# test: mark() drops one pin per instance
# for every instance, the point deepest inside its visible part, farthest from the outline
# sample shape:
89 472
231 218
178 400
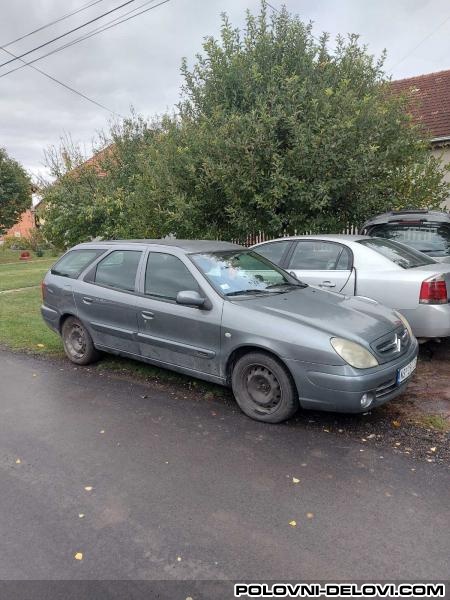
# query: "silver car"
390 272
222 313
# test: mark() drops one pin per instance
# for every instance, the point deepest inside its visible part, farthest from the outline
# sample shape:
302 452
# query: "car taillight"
42 290
433 291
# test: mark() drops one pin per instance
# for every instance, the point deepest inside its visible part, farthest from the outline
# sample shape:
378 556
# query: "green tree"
274 131
277 132
15 191
98 197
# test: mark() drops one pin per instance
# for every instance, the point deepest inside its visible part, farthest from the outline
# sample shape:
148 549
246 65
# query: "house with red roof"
430 106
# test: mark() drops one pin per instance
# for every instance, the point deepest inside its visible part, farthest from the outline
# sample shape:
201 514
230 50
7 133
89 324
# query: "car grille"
386 388
392 345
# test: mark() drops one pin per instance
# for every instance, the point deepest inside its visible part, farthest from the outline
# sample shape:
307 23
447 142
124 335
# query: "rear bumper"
429 320
51 317
339 388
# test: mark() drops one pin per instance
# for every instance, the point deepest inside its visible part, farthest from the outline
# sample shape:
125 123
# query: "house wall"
444 154
24 227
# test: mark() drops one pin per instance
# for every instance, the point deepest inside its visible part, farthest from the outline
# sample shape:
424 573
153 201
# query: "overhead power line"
58 20
67 32
105 27
427 37
64 85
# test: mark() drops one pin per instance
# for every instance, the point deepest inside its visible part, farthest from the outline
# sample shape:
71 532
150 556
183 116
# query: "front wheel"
78 344
263 388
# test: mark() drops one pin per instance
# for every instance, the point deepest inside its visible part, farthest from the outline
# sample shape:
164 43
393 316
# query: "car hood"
349 317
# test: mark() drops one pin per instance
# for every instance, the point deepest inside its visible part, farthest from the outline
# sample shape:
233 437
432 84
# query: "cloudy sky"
138 62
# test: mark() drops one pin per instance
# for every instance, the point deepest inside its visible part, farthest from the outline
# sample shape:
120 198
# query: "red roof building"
430 106
430 102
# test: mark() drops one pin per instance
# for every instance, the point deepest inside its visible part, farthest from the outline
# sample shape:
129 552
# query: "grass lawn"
24 273
21 324
13 256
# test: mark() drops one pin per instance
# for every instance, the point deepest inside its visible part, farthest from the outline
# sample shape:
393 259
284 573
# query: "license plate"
406 371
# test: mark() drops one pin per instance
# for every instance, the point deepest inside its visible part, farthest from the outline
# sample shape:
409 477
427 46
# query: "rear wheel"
77 341
263 388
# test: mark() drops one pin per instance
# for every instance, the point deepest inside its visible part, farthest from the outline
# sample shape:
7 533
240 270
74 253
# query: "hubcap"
76 342
263 388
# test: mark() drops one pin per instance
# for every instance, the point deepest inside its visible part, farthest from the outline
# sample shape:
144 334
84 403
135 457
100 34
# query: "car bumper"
51 317
429 320
339 388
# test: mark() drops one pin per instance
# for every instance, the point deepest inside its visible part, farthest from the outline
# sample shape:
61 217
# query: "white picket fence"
261 236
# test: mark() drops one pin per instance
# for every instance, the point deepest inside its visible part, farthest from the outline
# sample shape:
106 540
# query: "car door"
328 265
171 334
106 301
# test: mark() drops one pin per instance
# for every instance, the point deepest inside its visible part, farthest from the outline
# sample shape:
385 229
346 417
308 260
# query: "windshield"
404 257
432 238
243 273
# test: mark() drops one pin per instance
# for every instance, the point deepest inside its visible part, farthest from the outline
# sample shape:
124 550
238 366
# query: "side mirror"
190 298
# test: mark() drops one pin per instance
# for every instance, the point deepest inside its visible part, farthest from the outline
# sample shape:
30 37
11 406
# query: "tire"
263 388
77 341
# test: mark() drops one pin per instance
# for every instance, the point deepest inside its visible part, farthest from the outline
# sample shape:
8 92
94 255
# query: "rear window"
404 257
431 238
74 262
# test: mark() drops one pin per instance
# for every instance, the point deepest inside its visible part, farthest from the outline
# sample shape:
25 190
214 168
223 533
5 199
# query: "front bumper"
339 388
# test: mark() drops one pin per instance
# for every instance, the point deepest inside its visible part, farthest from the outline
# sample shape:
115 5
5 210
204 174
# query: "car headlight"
354 354
405 322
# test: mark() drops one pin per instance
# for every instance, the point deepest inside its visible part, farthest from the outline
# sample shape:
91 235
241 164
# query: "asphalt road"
185 488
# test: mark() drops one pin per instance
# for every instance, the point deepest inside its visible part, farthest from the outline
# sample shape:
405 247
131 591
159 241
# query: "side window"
320 256
118 270
273 251
74 262
166 275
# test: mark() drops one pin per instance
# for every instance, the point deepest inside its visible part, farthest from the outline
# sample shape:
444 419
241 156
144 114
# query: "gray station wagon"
220 312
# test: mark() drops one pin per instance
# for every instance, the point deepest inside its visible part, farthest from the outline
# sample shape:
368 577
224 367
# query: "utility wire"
64 85
427 37
105 27
58 20
67 33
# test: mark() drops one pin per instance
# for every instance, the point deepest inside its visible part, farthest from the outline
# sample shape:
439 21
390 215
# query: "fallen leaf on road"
396 423
78 556
310 515
81 516
295 480
293 523
18 461
433 449
88 488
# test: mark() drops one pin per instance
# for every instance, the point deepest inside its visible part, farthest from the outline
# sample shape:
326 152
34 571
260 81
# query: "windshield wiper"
246 292
300 284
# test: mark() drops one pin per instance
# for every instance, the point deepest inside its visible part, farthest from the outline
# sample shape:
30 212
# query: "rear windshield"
404 257
74 262
431 238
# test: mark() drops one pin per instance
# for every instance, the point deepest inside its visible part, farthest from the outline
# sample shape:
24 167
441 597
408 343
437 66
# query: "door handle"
88 300
327 284
147 315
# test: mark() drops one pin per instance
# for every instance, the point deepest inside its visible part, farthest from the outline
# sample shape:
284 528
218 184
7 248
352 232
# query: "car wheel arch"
64 318
240 351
